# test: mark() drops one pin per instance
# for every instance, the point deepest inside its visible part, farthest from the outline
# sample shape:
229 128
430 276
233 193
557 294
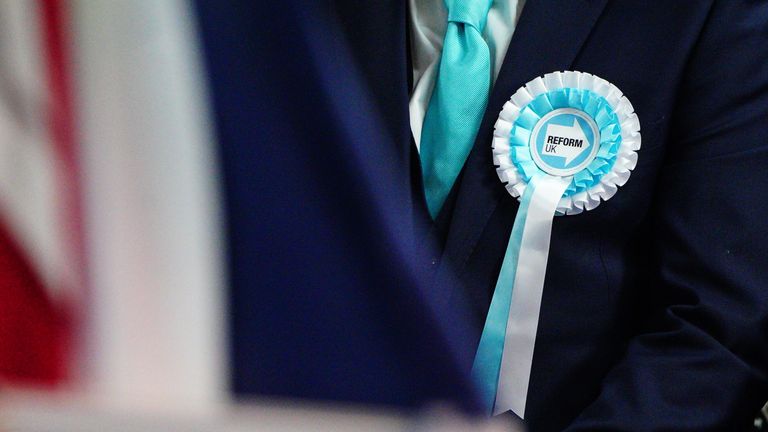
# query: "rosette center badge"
564 141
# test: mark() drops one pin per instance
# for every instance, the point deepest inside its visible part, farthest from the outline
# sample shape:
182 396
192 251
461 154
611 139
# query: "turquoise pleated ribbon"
590 103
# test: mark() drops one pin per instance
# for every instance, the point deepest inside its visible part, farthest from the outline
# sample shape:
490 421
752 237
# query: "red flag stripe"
61 116
57 53
33 331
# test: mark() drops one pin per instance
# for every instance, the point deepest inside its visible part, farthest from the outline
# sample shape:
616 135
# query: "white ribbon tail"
525 305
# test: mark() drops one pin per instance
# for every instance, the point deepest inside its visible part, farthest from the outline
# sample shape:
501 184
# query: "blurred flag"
41 261
106 147
109 156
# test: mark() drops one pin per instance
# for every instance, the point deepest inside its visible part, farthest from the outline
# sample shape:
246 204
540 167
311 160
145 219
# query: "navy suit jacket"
655 306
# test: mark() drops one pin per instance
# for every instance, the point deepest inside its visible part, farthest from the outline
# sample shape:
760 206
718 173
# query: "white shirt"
428 21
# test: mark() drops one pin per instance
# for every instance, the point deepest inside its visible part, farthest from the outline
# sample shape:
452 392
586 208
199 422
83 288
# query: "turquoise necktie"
458 99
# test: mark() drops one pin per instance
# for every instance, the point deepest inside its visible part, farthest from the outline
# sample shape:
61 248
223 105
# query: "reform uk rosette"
563 143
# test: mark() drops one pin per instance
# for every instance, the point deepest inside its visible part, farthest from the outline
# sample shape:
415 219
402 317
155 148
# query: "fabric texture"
428 20
458 100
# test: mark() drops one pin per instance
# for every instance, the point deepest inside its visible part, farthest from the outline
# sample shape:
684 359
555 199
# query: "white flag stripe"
152 220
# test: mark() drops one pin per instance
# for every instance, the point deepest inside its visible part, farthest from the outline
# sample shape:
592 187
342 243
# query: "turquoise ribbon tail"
487 364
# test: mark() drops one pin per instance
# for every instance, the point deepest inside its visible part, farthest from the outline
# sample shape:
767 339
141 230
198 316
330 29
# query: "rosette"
563 143
596 173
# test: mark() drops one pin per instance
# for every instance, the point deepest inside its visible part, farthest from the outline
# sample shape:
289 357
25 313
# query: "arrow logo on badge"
568 142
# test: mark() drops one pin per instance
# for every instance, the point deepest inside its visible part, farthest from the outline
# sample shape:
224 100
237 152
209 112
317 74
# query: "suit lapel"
376 34
548 37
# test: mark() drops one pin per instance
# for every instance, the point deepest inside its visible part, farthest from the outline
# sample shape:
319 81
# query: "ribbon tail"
487 363
525 304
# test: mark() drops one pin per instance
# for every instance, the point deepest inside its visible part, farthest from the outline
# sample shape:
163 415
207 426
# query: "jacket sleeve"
701 361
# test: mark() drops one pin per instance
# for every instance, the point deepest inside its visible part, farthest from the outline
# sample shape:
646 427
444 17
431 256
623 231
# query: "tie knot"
472 12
